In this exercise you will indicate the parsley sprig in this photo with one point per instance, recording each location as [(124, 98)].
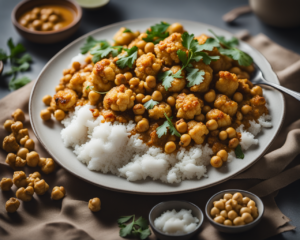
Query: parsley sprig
[(157, 33), (239, 152), (138, 228), (103, 49), (92, 88), (163, 129), (150, 104), (231, 51), (127, 59)]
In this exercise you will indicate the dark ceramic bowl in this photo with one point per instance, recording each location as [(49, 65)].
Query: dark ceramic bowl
[(49, 36), (235, 229), (162, 207)]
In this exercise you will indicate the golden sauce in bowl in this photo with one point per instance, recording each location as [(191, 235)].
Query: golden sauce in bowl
[(47, 18)]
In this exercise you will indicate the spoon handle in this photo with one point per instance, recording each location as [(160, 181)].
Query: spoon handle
[(283, 89)]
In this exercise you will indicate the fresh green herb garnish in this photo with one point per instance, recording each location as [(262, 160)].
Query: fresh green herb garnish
[(194, 76), (150, 104), (14, 69), (127, 30), (92, 88), (238, 152), (168, 77), (103, 49), (157, 33), (163, 129), (127, 59), (231, 51), (18, 83), (138, 228), (90, 43)]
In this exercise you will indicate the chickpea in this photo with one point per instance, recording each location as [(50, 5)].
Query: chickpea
[(149, 47), (223, 135), (214, 212), (23, 140), (29, 144), (36, 10), (156, 67), (174, 95), (157, 96), (233, 203), (228, 207), (227, 196), (247, 218), (141, 44), (22, 153), (223, 155), (6, 184), (14, 162), (139, 109), (206, 109), (19, 179), (146, 99), (171, 101), (138, 118), (256, 90), (120, 79), (143, 125), (151, 81), (18, 115), (233, 143), (7, 125), (37, 24), (44, 17), (170, 147), (237, 208), (224, 214), (185, 140), (134, 82), (238, 221), (200, 118), (210, 96), (59, 87), (238, 197), (175, 27), (16, 127), (212, 125), (95, 204), (245, 210), (216, 162), (45, 114), (35, 175), (59, 114), (94, 97), (254, 211), (246, 109), (239, 116), (25, 194), (32, 159), (47, 100), (47, 165), (231, 132), (12, 205), (219, 204), (251, 203), (139, 97), (40, 186), (238, 97), (58, 193), (58, 26), (53, 18), (227, 222), (219, 219), (128, 75), (246, 200), (33, 16), (232, 215), (181, 126), (47, 26)]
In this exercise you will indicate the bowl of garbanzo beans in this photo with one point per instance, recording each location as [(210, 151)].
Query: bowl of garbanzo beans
[(46, 21), (234, 210)]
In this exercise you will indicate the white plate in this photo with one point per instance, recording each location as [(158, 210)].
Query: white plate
[(49, 134)]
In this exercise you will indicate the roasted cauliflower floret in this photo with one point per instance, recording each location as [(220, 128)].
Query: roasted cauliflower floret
[(65, 99), (178, 83), (258, 104), (146, 65), (207, 77), (225, 104), (239, 73), (244, 86), (188, 106), (197, 131), (167, 49), (124, 38), (175, 28), (119, 99), (202, 38), (222, 119), (77, 80), (227, 83), (224, 63), (158, 111)]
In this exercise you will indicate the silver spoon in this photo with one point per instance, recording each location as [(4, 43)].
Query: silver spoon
[(258, 78)]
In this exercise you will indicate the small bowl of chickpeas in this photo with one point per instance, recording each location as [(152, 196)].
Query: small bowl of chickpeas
[(234, 210), (46, 21)]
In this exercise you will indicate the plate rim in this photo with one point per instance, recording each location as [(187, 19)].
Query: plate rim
[(139, 192)]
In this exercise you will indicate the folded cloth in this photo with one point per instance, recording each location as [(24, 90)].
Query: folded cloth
[(70, 218)]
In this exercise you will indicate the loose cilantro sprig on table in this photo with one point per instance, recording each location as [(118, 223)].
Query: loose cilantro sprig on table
[(150, 104), (239, 152), (103, 49), (127, 59), (231, 51), (163, 129), (138, 228), (18, 83), (157, 33), (92, 88), (127, 30)]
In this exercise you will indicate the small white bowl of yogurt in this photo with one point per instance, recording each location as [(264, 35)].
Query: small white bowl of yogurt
[(175, 220)]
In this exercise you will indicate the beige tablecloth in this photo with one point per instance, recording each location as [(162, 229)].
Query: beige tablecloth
[(70, 218)]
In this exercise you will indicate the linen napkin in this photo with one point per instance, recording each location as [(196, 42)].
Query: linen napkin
[(70, 218)]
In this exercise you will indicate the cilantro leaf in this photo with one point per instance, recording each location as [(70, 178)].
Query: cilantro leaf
[(103, 50), (143, 234), (127, 59), (25, 58), (238, 152), (227, 43), (167, 78), (243, 58), (188, 40), (92, 88), (23, 67), (142, 222), (18, 83), (182, 57), (157, 33), (3, 55), (172, 129), (126, 231), (150, 104), (209, 45), (162, 129), (15, 49), (138, 228), (127, 30), (205, 57), (194, 76), (124, 219), (90, 43)]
